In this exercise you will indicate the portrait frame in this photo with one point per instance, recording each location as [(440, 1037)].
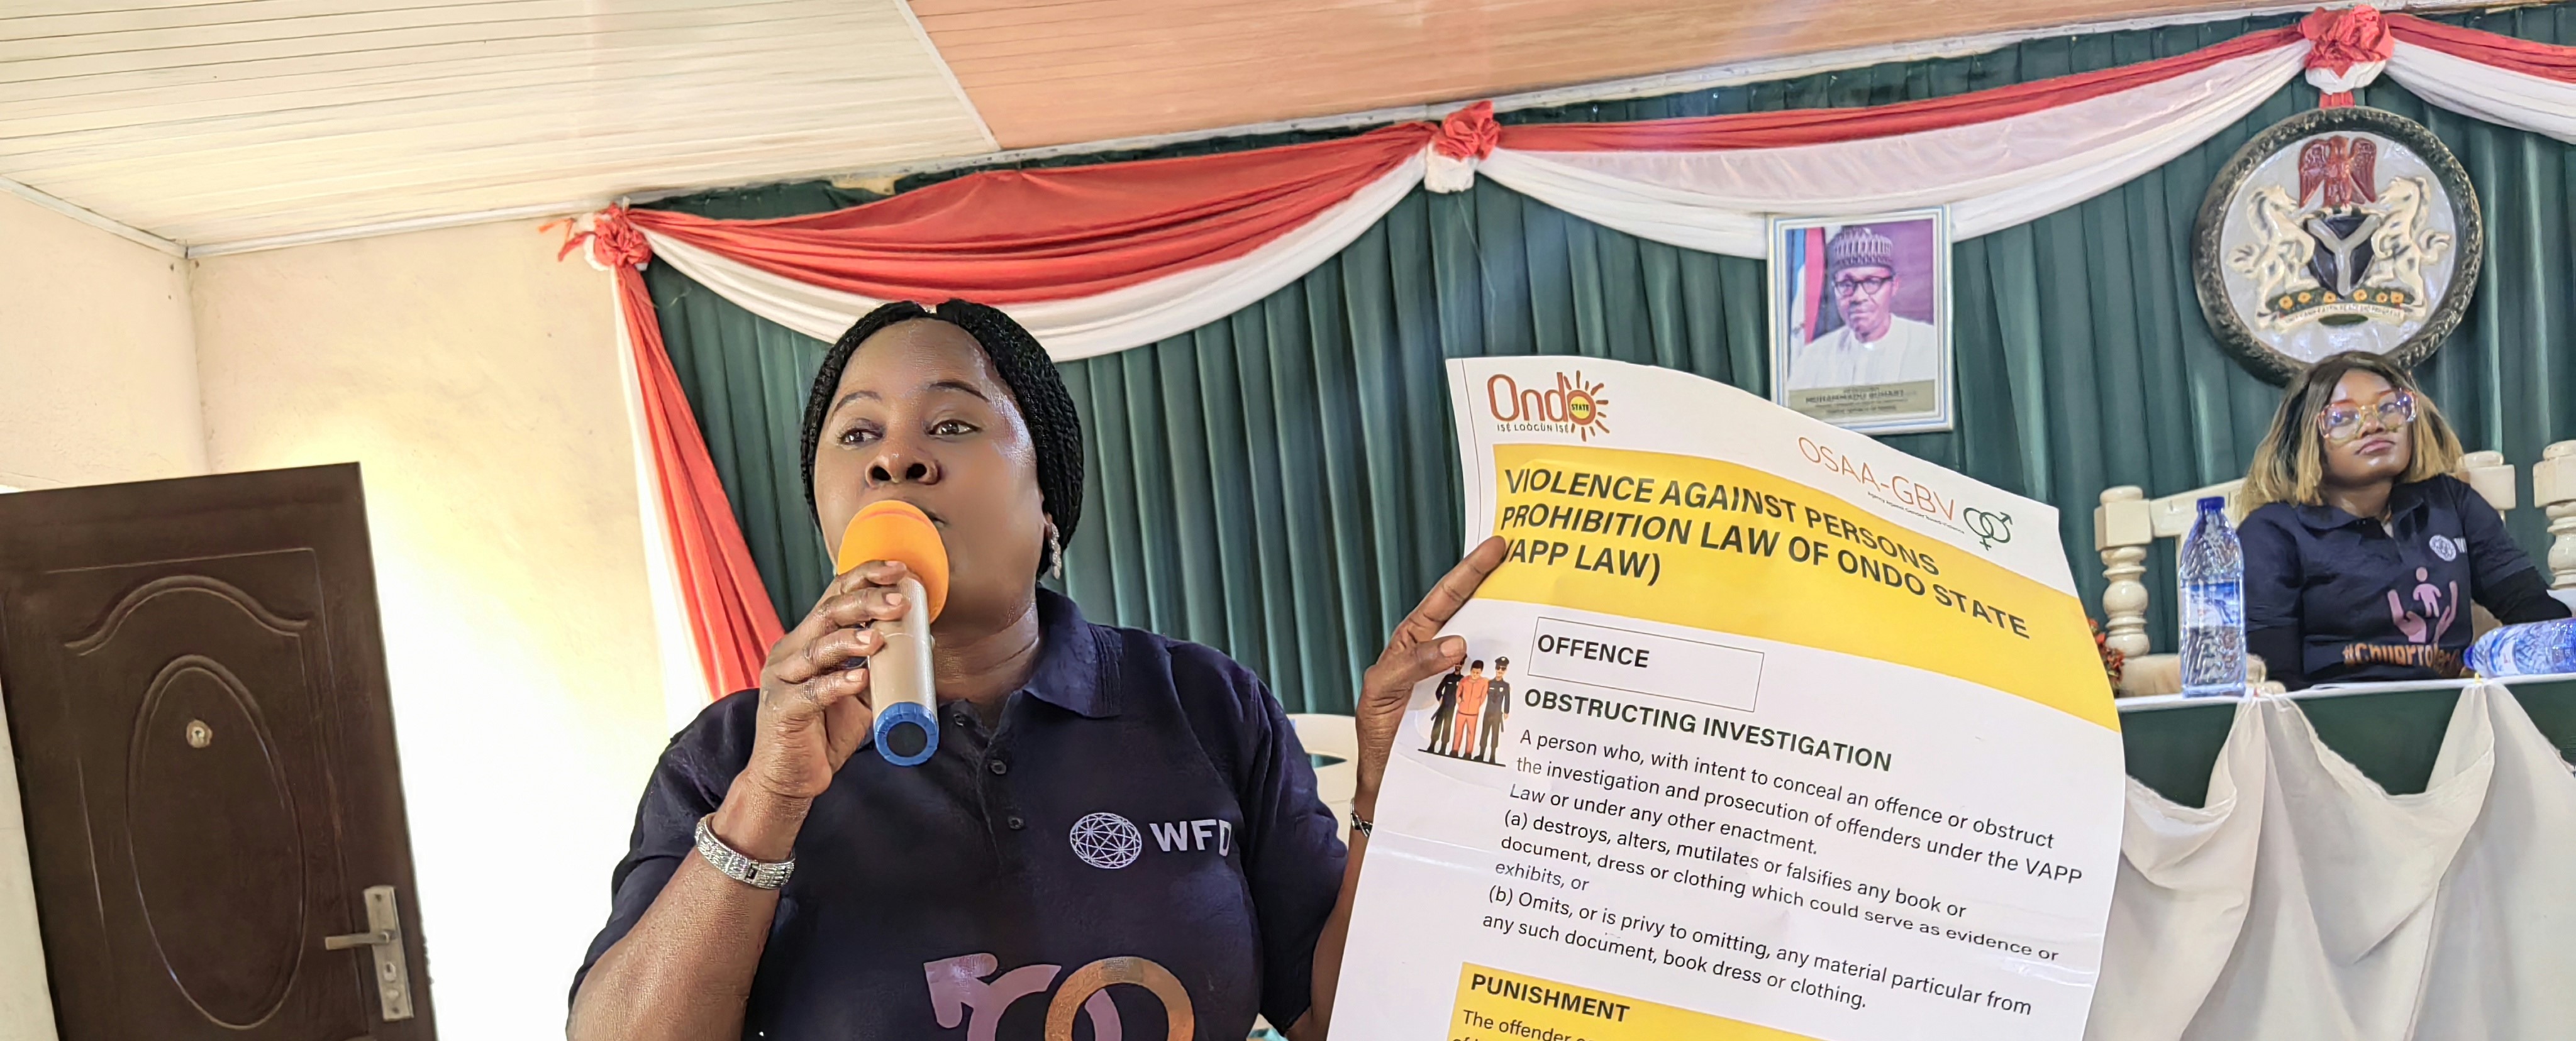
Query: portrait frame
[(1805, 308)]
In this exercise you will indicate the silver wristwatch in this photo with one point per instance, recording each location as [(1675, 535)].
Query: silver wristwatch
[(753, 873)]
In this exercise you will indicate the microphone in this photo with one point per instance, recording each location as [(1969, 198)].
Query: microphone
[(899, 680)]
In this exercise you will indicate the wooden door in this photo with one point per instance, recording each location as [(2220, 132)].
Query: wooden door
[(195, 686)]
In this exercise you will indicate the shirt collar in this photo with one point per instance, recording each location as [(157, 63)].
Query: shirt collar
[(1073, 673), (2403, 499)]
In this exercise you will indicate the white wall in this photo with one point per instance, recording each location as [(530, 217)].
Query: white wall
[(98, 382), (477, 383), (98, 374)]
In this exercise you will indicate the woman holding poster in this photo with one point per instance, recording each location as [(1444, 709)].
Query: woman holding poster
[(1113, 827)]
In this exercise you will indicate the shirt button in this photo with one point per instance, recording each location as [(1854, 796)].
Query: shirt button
[(1016, 824), (1000, 767)]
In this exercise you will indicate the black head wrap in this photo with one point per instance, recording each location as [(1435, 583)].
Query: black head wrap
[(1055, 429)]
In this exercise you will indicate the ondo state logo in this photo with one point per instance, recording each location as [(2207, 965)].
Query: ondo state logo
[(1571, 407)]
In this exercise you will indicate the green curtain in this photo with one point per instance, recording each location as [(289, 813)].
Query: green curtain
[(1281, 484), (2391, 737)]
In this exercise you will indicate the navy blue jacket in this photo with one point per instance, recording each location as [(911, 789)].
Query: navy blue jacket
[(2331, 596)]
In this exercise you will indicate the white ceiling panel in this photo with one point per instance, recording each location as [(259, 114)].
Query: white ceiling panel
[(214, 122)]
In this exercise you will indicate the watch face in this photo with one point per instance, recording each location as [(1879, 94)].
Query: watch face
[(2343, 229)]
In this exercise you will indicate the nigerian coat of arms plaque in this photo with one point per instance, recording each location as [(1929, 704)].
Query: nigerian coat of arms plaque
[(2337, 229)]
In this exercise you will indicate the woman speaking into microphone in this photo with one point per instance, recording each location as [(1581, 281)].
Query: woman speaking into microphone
[(1113, 832)]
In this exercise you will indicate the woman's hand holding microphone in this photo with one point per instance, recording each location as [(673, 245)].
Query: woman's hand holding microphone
[(814, 711)]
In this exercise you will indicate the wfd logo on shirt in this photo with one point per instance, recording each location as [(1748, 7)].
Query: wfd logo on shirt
[(1110, 842)]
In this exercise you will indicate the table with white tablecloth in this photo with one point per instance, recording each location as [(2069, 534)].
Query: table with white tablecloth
[(2375, 863)]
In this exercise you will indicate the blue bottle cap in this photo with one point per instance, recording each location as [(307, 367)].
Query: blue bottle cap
[(898, 716), (2209, 503)]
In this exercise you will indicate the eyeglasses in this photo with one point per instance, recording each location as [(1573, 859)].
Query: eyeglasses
[(1853, 286), (2342, 423)]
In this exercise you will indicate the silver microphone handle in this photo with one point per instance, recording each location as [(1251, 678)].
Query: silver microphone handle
[(899, 679)]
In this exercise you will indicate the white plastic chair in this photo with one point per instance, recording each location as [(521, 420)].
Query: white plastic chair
[(1336, 737)]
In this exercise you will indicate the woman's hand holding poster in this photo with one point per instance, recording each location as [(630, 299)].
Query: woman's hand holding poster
[(1769, 732)]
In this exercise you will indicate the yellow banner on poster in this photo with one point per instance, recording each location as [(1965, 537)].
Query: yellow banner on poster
[(1494, 1005), (1698, 542)]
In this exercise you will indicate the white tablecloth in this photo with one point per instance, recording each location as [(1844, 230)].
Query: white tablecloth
[(2306, 902)]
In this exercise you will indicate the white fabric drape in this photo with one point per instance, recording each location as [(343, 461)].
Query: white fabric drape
[(2501, 96), (1993, 175), (2180, 898), (2328, 81), (2504, 933), (2306, 902)]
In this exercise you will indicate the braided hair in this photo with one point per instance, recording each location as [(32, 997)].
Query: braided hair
[(1055, 429)]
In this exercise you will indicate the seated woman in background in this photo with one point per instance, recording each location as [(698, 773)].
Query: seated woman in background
[(2362, 552)]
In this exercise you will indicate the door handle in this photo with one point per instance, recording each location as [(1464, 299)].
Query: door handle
[(384, 939), (342, 943)]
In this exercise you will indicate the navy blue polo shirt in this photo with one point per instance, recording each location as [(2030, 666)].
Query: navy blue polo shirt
[(1140, 832), (2338, 580)]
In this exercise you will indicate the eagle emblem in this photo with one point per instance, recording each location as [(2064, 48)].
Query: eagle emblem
[(2339, 167)]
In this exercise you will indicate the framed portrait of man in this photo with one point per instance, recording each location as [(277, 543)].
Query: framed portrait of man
[(1860, 320)]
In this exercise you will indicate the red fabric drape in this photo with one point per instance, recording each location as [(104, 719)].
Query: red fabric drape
[(1015, 236), (2342, 39), (1021, 236), (2504, 52), (2345, 38), (1825, 126), (1469, 133), (728, 608), (1025, 236)]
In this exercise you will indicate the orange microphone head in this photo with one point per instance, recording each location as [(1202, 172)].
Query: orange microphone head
[(895, 530)]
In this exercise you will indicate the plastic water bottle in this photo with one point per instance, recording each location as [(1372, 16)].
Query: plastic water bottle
[(2536, 649), (2213, 605)]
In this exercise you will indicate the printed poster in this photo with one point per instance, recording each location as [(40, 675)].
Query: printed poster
[(1767, 732)]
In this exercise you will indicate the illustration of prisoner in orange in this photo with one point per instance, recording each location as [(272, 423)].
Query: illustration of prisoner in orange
[(1471, 702), (1498, 708)]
